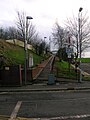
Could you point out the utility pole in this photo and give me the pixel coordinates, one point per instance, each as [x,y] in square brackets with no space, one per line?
[80,40]
[25,48]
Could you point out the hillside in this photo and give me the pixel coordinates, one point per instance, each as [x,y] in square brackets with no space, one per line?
[13,54]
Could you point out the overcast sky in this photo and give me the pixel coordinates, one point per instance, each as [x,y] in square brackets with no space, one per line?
[44,12]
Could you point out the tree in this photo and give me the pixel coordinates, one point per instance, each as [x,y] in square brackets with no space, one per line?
[8,33]
[72,25]
[36,43]
[42,48]
[59,36]
[12,33]
[21,25]
[1,32]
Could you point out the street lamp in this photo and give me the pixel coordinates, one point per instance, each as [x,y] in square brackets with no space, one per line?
[44,46]
[25,47]
[80,39]
[80,9]
[44,38]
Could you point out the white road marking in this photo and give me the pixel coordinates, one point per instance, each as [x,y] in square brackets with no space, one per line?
[3,93]
[64,117]
[70,117]
[15,111]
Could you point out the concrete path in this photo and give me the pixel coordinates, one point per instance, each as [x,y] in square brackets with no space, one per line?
[42,77]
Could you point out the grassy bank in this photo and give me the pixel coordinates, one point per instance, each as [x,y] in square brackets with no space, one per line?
[14,55]
[85,60]
[64,69]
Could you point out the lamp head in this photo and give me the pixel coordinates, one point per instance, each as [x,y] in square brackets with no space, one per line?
[29,17]
[80,9]
[45,37]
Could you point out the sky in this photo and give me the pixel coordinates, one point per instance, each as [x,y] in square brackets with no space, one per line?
[44,12]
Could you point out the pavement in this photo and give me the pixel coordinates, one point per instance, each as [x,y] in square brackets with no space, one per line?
[61,85]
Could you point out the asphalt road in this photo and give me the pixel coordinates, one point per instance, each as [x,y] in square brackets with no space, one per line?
[85,67]
[64,105]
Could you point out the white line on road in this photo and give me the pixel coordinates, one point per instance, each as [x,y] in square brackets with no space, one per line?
[3,93]
[15,111]
[64,117]
[70,117]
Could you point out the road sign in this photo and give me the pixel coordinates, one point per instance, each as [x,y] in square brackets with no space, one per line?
[30,60]
[69,50]
[69,55]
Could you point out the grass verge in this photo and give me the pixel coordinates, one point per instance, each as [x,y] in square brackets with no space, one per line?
[64,69]
[14,55]
[85,60]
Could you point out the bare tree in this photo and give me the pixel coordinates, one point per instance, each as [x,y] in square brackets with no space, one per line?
[1,33]
[59,37]
[8,33]
[12,33]
[21,25]
[72,25]
[32,33]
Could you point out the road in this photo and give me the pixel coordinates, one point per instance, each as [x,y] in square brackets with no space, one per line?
[64,105]
[85,67]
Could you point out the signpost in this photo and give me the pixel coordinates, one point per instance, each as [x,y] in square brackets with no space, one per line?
[69,51]
[30,60]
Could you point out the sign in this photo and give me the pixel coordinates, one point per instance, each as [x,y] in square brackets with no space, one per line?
[6,68]
[30,60]
[69,50]
[69,55]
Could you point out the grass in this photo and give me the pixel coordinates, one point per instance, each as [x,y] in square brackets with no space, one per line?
[14,55]
[65,69]
[85,60]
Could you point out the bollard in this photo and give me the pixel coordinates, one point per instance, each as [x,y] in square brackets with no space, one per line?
[51,79]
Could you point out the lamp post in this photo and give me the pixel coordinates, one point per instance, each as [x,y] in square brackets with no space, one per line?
[49,43]
[25,47]
[80,39]
[44,46]
[44,38]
